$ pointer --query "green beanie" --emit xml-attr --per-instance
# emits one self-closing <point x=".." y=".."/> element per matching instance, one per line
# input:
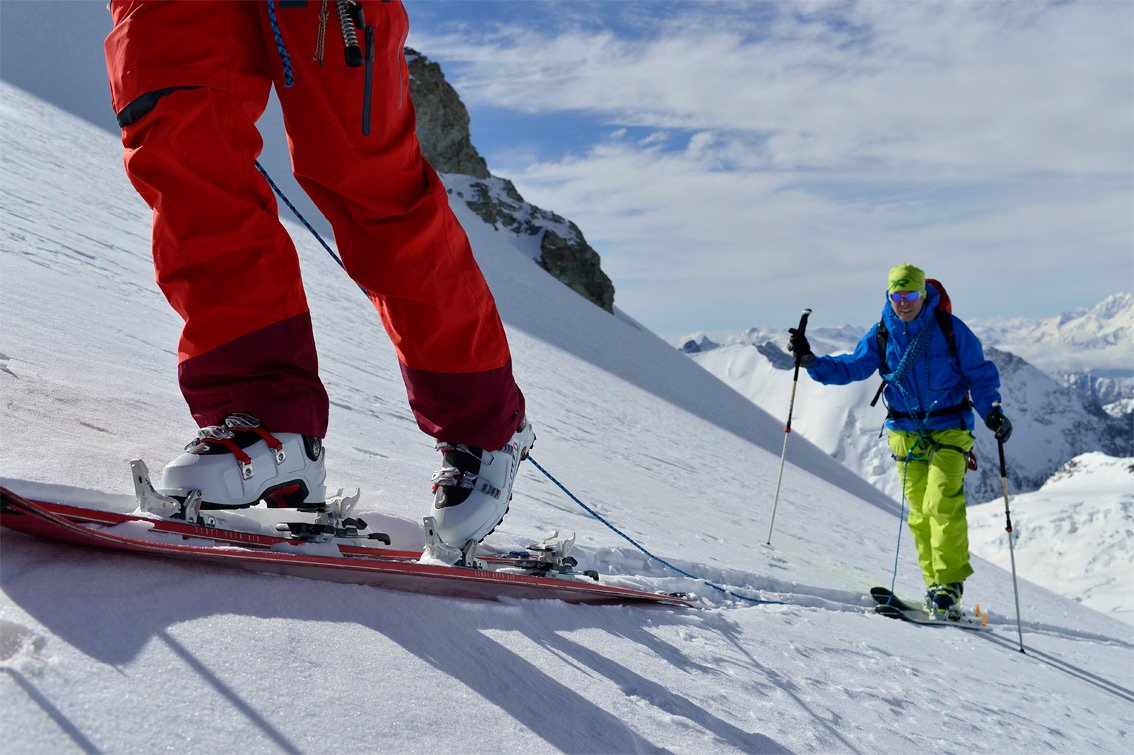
<point x="906" y="277"/>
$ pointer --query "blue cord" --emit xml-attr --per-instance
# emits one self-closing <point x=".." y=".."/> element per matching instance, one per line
<point x="289" y="78"/>
<point x="297" y="214"/>
<point x="662" y="561"/>
<point x="901" y="522"/>
<point x="572" y="496"/>
<point x="308" y="226"/>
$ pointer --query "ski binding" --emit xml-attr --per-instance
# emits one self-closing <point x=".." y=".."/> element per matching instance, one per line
<point x="334" y="520"/>
<point x="549" y="558"/>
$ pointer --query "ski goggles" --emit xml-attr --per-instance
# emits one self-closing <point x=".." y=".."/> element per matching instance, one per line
<point x="900" y="296"/>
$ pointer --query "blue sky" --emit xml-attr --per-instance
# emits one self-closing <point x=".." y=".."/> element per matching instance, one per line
<point x="735" y="162"/>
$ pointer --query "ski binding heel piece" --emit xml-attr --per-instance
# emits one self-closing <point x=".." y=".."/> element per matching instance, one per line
<point x="153" y="502"/>
<point x="439" y="553"/>
<point x="149" y="499"/>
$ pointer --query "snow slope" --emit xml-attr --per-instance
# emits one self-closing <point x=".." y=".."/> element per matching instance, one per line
<point x="1075" y="533"/>
<point x="121" y="653"/>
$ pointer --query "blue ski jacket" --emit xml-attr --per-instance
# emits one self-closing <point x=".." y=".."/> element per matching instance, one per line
<point x="933" y="393"/>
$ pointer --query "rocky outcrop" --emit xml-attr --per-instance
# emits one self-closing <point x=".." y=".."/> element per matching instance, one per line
<point x="573" y="261"/>
<point x="698" y="343"/>
<point x="443" y="130"/>
<point x="442" y="120"/>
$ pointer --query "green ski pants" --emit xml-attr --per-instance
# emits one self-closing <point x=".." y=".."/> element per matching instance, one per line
<point x="933" y="475"/>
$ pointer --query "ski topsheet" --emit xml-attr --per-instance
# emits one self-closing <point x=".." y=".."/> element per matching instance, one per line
<point x="891" y="606"/>
<point x="361" y="564"/>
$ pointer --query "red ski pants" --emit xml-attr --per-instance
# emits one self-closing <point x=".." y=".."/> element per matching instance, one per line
<point x="188" y="82"/>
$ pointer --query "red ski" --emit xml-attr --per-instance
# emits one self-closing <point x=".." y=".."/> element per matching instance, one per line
<point x="369" y="565"/>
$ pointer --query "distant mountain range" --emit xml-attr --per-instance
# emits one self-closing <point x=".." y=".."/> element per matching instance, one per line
<point x="1067" y="382"/>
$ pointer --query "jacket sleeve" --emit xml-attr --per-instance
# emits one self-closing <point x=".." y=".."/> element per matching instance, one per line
<point x="982" y="375"/>
<point x="849" y="368"/>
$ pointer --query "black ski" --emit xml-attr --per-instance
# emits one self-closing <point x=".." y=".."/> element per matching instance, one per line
<point x="893" y="607"/>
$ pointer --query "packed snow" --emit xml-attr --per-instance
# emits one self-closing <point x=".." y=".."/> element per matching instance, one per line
<point x="113" y="652"/>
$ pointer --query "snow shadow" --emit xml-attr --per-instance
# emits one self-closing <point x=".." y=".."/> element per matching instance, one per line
<point x="512" y="655"/>
<point x="1056" y="663"/>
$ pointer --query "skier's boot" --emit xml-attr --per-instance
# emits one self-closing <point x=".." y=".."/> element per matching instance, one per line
<point x="930" y="592"/>
<point x="472" y="491"/>
<point x="947" y="601"/>
<point x="239" y="463"/>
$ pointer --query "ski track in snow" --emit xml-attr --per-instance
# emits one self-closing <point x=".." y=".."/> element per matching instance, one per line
<point x="112" y="652"/>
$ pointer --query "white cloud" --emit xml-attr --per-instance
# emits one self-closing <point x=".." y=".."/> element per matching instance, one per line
<point x="753" y="151"/>
<point x="931" y="84"/>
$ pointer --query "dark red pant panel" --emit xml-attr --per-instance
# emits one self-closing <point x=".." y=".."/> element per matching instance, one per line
<point x="278" y="379"/>
<point x="227" y="265"/>
<point x="468" y="419"/>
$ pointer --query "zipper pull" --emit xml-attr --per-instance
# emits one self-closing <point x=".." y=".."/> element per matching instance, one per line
<point x="350" y="38"/>
<point x="321" y="35"/>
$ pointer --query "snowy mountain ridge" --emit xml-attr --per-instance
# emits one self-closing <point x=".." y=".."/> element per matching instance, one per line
<point x="1098" y="338"/>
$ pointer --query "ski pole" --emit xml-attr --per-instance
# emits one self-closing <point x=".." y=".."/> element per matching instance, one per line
<point x="787" y="427"/>
<point x="1011" y="546"/>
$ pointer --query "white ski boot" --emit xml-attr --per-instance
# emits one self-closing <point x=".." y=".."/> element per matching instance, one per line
<point x="472" y="491"/>
<point x="239" y="463"/>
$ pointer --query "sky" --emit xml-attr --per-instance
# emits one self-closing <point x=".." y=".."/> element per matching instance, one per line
<point x="733" y="163"/>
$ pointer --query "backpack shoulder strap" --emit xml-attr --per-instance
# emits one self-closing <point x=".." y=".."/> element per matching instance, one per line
<point x="881" y="335"/>
<point x="945" y="322"/>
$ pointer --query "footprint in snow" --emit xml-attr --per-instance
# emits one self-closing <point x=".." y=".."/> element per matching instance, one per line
<point x="4" y="359"/>
<point x="20" y="646"/>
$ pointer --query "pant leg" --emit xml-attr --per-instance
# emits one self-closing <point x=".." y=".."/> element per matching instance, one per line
<point x="355" y="152"/>
<point x="914" y="475"/>
<point x="945" y="507"/>
<point x="189" y="80"/>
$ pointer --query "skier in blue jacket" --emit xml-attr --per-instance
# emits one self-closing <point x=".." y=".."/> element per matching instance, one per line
<point x="933" y="383"/>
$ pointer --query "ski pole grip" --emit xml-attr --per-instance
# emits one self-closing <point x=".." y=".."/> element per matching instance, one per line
<point x="1000" y="447"/>
<point x="803" y="321"/>
<point x="799" y="330"/>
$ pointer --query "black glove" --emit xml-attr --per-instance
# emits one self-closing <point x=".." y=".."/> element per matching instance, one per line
<point x="998" y="424"/>
<point x="799" y="346"/>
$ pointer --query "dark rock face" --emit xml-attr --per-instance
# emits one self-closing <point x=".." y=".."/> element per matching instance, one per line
<point x="575" y="263"/>
<point x="443" y="130"/>
<point x="442" y="120"/>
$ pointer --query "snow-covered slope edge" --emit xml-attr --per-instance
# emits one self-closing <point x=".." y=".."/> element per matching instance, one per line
<point x="115" y="653"/>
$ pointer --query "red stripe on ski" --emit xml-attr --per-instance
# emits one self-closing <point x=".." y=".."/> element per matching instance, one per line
<point x="387" y="568"/>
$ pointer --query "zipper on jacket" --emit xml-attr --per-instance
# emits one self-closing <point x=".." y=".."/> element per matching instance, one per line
<point x="403" y="79"/>
<point x="368" y="80"/>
